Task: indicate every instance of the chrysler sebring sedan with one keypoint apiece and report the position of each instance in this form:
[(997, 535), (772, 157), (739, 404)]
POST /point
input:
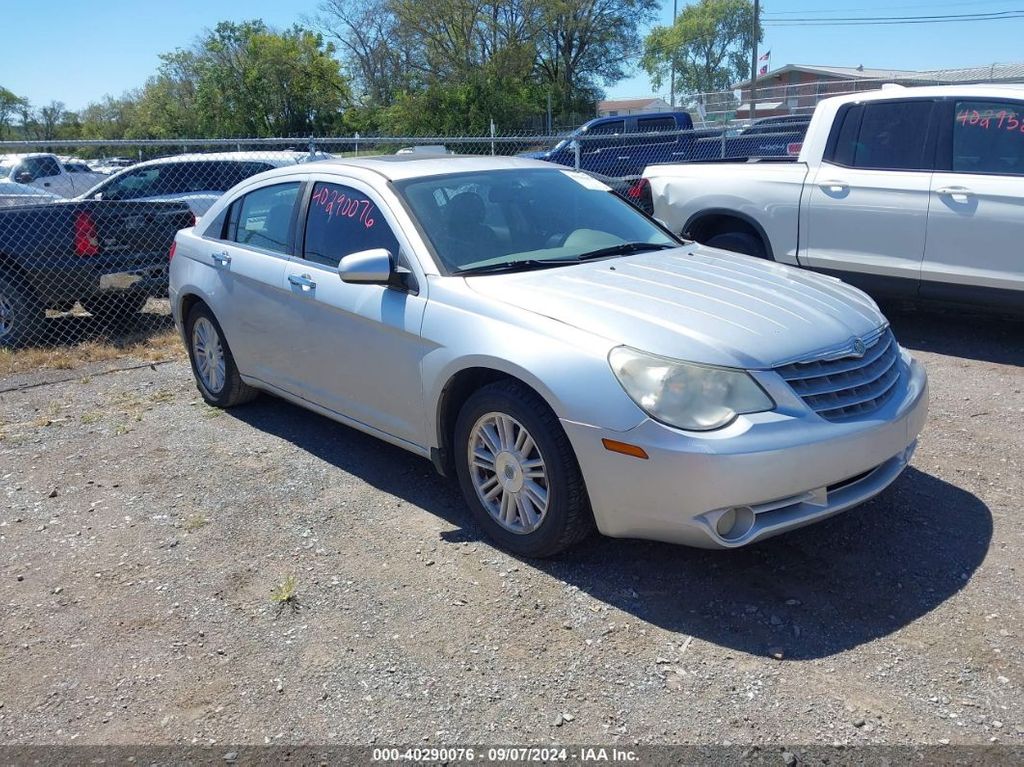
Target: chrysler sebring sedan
[(571, 362)]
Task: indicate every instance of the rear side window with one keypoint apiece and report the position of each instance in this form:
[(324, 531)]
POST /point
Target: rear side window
[(988, 137), (644, 124), (342, 220), (263, 218), (889, 136)]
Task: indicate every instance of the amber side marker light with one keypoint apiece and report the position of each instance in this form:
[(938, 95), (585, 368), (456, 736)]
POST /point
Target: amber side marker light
[(625, 448)]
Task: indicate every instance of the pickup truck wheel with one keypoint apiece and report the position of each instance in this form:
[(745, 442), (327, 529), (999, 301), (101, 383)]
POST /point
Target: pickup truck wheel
[(21, 315), (213, 365), (518, 472), (115, 308), (739, 242)]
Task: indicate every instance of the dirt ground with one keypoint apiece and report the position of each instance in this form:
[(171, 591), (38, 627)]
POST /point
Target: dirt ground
[(146, 543)]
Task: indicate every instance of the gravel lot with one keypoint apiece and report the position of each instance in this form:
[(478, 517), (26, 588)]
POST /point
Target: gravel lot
[(142, 535)]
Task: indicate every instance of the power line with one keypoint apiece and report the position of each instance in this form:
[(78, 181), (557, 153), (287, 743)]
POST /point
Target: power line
[(855, 21), (930, 6)]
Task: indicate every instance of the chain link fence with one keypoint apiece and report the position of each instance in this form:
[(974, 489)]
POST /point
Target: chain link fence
[(86, 226)]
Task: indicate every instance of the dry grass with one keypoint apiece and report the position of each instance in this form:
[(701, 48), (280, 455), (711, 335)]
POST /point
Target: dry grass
[(166, 345)]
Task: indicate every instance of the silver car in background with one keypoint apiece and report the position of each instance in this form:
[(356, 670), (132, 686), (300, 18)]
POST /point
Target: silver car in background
[(568, 359)]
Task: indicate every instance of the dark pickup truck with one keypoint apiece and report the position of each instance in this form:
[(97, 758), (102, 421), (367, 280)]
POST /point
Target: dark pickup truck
[(624, 145), (769, 137), (110, 256)]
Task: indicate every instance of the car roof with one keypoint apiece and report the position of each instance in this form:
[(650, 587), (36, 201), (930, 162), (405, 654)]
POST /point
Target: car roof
[(398, 167), (894, 92), (271, 158)]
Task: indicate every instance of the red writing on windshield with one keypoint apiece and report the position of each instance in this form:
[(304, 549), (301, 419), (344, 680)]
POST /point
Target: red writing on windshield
[(331, 202)]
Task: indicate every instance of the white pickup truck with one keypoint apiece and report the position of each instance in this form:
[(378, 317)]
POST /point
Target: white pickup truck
[(46, 174), (906, 192)]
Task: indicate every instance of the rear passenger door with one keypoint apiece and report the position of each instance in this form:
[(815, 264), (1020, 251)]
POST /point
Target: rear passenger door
[(864, 212), (248, 253), (976, 218), (354, 349)]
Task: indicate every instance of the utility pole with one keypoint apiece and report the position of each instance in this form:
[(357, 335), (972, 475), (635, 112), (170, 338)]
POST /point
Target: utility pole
[(672, 80), (753, 59)]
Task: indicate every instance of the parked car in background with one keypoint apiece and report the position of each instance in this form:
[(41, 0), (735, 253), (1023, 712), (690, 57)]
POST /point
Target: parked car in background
[(108, 165), (196, 179), (571, 362), (47, 173), (769, 137), (110, 256), (906, 192), (625, 145)]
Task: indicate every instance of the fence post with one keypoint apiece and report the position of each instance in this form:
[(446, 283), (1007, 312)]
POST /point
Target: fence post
[(576, 154), (357, 143), (492, 138)]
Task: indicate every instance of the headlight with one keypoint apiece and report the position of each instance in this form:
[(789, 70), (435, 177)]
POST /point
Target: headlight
[(684, 394)]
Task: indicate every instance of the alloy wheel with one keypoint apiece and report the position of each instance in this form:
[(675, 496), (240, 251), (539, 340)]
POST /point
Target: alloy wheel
[(208, 353), (508, 472)]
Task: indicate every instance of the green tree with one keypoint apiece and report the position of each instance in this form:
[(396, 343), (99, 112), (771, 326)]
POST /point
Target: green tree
[(710, 45), (585, 44), (10, 104), (243, 79)]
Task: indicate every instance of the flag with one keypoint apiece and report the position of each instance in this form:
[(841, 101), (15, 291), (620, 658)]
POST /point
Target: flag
[(765, 57)]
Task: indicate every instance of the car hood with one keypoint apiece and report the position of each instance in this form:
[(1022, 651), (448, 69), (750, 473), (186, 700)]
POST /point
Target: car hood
[(696, 303)]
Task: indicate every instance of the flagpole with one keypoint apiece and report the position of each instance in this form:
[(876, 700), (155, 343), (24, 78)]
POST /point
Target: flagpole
[(753, 58)]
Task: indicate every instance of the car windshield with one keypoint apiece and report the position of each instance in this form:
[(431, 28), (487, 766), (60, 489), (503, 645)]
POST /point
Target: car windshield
[(526, 218)]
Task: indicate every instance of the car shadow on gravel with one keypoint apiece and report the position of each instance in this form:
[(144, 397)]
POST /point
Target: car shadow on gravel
[(985, 337), (807, 594)]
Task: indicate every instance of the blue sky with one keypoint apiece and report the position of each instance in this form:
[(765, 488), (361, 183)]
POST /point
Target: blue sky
[(109, 46)]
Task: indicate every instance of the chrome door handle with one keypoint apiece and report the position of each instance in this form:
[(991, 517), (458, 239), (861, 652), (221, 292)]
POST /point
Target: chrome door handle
[(834, 186), (958, 193), (221, 259), (303, 281)]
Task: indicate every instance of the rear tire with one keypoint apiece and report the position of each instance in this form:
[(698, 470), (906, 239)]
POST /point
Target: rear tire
[(739, 242), (21, 315), (115, 308), (518, 472), (213, 365)]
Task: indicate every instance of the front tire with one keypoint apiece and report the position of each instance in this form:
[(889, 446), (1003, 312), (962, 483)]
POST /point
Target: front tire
[(518, 472), (213, 365), (21, 315)]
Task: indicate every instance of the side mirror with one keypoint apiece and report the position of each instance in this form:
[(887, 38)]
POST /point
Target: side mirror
[(24, 177), (370, 267)]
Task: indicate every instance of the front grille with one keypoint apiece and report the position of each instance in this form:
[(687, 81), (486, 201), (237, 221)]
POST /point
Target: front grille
[(848, 387)]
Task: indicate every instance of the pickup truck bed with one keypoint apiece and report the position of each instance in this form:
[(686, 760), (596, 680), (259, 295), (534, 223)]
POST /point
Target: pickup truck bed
[(110, 256)]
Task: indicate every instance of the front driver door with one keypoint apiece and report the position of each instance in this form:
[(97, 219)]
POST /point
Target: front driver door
[(354, 349)]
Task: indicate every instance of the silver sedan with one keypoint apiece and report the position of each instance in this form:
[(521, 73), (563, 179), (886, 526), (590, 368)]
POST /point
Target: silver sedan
[(570, 361)]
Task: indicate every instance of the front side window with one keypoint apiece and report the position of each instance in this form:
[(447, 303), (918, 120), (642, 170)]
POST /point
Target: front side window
[(525, 218), (607, 128), (263, 218), (341, 221), (892, 136), (988, 137)]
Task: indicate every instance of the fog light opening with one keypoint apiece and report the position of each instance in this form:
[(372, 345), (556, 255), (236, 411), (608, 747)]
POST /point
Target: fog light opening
[(735, 522)]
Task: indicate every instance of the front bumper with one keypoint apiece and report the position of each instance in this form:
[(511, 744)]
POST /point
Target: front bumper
[(789, 471)]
